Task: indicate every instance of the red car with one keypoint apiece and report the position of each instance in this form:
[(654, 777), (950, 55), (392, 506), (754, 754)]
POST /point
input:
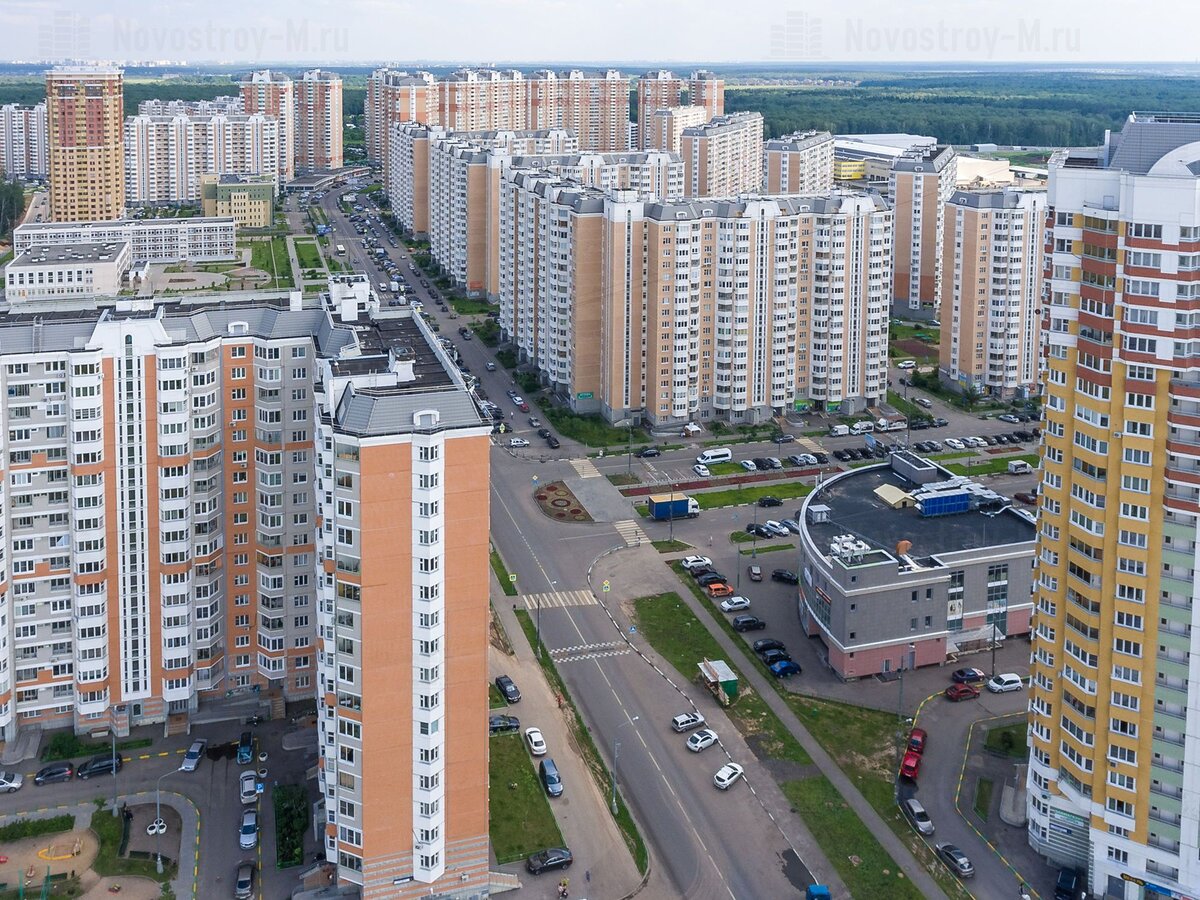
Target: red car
[(916, 740), (910, 765), (958, 692)]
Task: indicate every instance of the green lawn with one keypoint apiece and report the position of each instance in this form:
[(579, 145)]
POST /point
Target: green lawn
[(308, 256), (749, 551), (670, 546), (467, 307), (737, 496), (109, 830), (521, 819), (726, 468), (589, 429), (907, 407), (992, 466), (682, 639), (861, 861), (271, 256), (506, 584), (1008, 740), (983, 797), (953, 454), (622, 479), (495, 698)]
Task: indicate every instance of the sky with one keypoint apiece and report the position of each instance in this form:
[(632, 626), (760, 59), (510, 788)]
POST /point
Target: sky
[(500, 31)]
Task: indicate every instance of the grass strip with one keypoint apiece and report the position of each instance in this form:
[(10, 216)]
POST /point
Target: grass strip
[(109, 831), (587, 745), (670, 546), (506, 583), (27, 828), (739, 496), (1008, 740), (770, 548), (291, 817), (983, 797), (992, 466), (520, 819)]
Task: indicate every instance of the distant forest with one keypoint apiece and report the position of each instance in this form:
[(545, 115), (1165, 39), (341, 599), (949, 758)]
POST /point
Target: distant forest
[(1052, 108), (1043, 109)]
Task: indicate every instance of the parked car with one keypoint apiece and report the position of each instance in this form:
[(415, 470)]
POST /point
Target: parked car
[(727, 775), (957, 861), (687, 721), (695, 562), (748, 623), (822, 459), (1005, 682), (841, 455), (736, 603), (710, 578), (785, 575), (701, 470), (762, 645), (915, 813), (248, 831), (517, 443), (551, 779), (968, 675), (775, 528), (500, 724), (535, 422), (719, 589), (784, 668), (537, 743), (1009, 417), (1027, 497), (243, 881), (100, 764), (194, 754), (770, 657), (11, 781), (701, 740), (910, 766), (544, 433), (958, 692), (749, 465), (508, 690), (755, 572), (769, 501), (550, 858), (490, 366), (245, 750), (774, 462), (552, 442), (248, 786), (649, 452), (955, 444), (1067, 885), (60, 771), (917, 739), (758, 529)]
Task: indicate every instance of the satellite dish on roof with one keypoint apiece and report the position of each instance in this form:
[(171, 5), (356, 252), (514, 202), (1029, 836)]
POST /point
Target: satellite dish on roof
[(902, 547)]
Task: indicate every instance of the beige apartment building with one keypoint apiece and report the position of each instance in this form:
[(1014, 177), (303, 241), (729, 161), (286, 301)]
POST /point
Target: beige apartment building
[(318, 121), (920, 183), (666, 126), (656, 90), (992, 255), (798, 163), (85, 120), (707, 90), (167, 155), (24, 151), (723, 158), (594, 106), (396, 97), (274, 94)]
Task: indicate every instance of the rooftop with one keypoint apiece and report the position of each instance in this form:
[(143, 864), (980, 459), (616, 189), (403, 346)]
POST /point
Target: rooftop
[(55, 255), (855, 509)]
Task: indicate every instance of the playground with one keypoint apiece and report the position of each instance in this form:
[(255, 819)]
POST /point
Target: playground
[(59, 865)]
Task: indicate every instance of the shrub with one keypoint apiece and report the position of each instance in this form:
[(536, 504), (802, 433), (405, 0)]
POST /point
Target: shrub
[(291, 820), (27, 828)]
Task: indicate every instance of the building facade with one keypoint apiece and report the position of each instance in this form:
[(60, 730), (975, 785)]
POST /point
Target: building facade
[(799, 163), (217, 106), (167, 155), (249, 201), (318, 121), (920, 183), (395, 98), (992, 290), (1114, 779), (707, 90), (24, 152), (891, 586), (594, 106), (666, 126), (723, 158), (656, 90), (150, 240), (273, 94), (84, 121), (74, 272)]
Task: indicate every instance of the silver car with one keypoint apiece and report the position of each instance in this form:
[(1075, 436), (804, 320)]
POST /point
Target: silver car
[(248, 832), (195, 753), (915, 813)]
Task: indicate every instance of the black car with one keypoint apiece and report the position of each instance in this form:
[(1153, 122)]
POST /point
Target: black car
[(710, 578), (918, 424), (543, 432), (758, 530), (60, 771), (508, 690), (770, 657), (501, 724), (762, 645), (940, 423), (841, 455), (1022, 435), (785, 575), (769, 501), (552, 442), (989, 440), (822, 459), (853, 453), (1003, 439), (101, 764), (761, 463), (649, 452), (748, 623), (550, 858)]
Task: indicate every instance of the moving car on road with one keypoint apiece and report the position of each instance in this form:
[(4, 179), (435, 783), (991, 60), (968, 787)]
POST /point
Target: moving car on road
[(785, 575), (11, 781), (61, 771), (748, 623), (769, 501), (727, 775), (755, 572), (968, 675), (649, 452), (518, 442), (100, 764)]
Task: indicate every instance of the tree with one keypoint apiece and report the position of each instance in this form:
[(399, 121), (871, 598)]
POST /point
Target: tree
[(970, 396)]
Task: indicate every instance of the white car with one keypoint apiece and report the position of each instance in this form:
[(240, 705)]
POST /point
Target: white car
[(736, 603), (248, 832), (906, 364), (195, 753), (1005, 682), (248, 786), (537, 743), (776, 528), (702, 740), (808, 459), (695, 562), (727, 775), (687, 721), (518, 442), (11, 781), (701, 470), (975, 442), (955, 444), (748, 465), (490, 366)]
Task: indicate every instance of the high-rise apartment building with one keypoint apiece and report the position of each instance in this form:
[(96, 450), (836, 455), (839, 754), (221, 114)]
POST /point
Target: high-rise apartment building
[(85, 120), (274, 94), (482, 100), (799, 163), (992, 290), (723, 158), (393, 98), (166, 155), (920, 183), (666, 126), (1114, 758), (23, 142), (707, 90), (656, 90), (318, 121), (593, 106), (229, 106)]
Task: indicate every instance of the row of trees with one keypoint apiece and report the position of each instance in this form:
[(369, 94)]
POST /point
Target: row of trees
[(12, 205)]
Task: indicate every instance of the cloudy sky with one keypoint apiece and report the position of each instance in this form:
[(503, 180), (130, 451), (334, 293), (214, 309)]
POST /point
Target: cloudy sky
[(795, 31)]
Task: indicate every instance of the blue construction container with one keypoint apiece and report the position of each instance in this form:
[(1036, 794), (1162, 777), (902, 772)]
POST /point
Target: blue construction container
[(945, 504)]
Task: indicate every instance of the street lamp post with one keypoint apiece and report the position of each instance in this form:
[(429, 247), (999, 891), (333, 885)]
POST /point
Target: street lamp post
[(158, 864), (754, 544), (629, 451), (671, 515), (993, 644), (900, 719), (112, 728), (616, 750)]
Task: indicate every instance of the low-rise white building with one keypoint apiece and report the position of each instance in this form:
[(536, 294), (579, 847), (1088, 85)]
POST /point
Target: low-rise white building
[(75, 271), (150, 240)]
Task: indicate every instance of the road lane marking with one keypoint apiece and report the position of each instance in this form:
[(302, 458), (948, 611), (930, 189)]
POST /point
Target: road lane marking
[(560, 599), (585, 468), (631, 531)]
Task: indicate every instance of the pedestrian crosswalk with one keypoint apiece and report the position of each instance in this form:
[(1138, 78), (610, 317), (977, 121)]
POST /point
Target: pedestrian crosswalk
[(631, 530), (586, 468), (559, 598), (809, 444), (581, 652)]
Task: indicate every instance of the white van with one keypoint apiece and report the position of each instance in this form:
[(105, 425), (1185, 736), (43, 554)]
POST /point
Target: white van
[(838, 430), (716, 455), (862, 427)]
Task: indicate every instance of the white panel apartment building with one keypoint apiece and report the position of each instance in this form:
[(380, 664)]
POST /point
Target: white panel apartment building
[(799, 163), (23, 148), (920, 183), (150, 240), (724, 157)]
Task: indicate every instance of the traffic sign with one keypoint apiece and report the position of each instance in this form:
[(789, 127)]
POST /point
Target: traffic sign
[(535, 479), (606, 587), (512, 578)]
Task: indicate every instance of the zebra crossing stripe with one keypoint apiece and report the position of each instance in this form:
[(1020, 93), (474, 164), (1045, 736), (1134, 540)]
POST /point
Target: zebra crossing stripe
[(560, 599)]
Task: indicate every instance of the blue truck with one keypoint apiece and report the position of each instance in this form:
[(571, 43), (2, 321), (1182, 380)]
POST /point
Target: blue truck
[(672, 506), (817, 892)]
